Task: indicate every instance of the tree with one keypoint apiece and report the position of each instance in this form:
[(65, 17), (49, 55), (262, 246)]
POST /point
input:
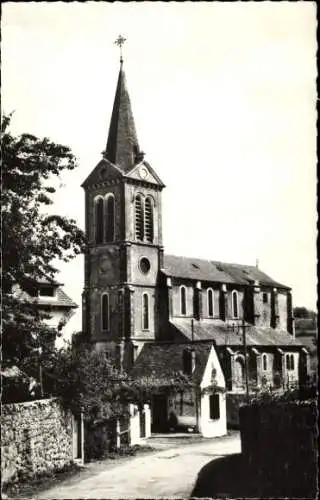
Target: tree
[(303, 312), (32, 239), (86, 381)]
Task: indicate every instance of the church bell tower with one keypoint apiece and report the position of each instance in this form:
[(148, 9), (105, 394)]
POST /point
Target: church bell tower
[(124, 240)]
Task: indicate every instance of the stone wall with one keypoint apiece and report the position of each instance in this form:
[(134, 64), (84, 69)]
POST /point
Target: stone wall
[(279, 442), (36, 438), (233, 403)]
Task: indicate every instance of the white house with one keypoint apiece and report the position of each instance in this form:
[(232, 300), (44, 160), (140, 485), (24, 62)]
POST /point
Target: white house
[(202, 408), (49, 298)]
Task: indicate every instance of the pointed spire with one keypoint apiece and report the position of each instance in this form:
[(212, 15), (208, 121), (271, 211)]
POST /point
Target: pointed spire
[(122, 145)]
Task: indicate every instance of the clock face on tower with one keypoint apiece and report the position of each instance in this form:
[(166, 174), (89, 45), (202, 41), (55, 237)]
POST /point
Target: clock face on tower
[(143, 172)]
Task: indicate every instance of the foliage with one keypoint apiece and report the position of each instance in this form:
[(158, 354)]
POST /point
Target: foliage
[(141, 389), (303, 312), (32, 239), (296, 394), (86, 381), (213, 388)]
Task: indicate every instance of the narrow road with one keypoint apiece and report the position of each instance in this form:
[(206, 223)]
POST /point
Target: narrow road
[(171, 472)]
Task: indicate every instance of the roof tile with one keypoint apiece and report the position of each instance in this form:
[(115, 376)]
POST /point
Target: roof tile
[(162, 359), (221, 272), (220, 334)]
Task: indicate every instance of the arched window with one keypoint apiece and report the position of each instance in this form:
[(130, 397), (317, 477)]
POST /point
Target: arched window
[(264, 362), (239, 371), (183, 301), (210, 302), (109, 218), (235, 307), (99, 220), (105, 312), (188, 362), (139, 222), (292, 361), (148, 220), (288, 361), (145, 311)]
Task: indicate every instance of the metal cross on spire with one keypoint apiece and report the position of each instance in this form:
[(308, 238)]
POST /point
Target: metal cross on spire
[(120, 41)]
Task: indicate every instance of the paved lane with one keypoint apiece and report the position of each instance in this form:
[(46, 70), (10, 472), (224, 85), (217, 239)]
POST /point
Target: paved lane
[(168, 473)]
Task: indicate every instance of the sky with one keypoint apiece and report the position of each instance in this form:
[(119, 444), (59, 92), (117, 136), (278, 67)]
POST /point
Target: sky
[(224, 99)]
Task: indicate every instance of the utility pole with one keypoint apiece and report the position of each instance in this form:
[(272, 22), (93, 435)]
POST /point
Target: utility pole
[(238, 330), (244, 342)]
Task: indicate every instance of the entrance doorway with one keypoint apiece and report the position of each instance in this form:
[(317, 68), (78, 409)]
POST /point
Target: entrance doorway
[(159, 413)]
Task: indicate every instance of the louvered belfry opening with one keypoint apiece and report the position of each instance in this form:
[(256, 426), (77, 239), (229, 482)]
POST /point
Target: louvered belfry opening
[(139, 219), (148, 220)]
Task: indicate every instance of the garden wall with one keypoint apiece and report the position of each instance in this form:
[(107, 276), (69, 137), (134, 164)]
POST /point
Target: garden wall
[(279, 443), (234, 401), (37, 437)]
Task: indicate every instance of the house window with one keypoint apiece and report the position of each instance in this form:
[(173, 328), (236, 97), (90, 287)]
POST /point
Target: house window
[(99, 220), (110, 218), (139, 222), (145, 311), (105, 313), (265, 298), (183, 301), (235, 304), (264, 362), (46, 291), (188, 363), (148, 220), (290, 362), (210, 302), (214, 406)]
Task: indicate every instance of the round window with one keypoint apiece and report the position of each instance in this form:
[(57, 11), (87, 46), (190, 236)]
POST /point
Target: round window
[(144, 265)]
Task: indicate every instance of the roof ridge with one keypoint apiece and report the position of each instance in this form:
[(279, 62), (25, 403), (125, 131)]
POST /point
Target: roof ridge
[(210, 260)]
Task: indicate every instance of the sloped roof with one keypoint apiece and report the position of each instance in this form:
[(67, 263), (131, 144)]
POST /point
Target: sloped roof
[(44, 280), (103, 171), (61, 299), (221, 272), (161, 359), (122, 137), (133, 173), (217, 331)]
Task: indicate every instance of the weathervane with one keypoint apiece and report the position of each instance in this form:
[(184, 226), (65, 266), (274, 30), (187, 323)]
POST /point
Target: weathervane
[(120, 41)]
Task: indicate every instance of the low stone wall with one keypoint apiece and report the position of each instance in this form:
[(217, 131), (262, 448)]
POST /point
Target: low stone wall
[(36, 438), (279, 443), (233, 403)]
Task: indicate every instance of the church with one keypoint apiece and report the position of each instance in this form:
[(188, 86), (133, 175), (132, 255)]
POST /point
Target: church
[(139, 304)]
